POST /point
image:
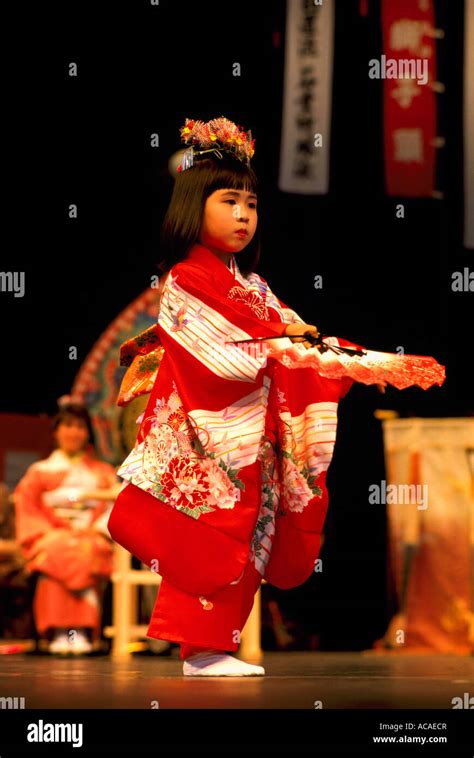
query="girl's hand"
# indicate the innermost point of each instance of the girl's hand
(296, 333)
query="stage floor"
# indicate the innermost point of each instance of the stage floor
(292, 680)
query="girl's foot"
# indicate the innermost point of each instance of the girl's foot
(214, 663)
(59, 643)
(80, 643)
(62, 642)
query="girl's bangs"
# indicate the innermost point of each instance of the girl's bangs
(227, 177)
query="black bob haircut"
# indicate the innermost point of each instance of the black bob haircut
(183, 218)
(79, 413)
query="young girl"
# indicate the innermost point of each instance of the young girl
(226, 482)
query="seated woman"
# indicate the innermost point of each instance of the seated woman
(62, 507)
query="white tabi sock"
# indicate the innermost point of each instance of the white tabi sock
(219, 664)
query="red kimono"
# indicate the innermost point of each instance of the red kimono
(66, 542)
(229, 466)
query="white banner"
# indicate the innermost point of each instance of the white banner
(469, 124)
(307, 97)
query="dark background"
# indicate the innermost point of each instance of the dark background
(387, 282)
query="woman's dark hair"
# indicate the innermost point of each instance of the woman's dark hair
(183, 218)
(78, 412)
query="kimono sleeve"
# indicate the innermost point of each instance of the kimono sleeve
(31, 519)
(290, 316)
(197, 316)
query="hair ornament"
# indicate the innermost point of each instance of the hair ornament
(66, 400)
(218, 136)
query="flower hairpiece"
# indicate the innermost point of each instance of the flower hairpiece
(218, 135)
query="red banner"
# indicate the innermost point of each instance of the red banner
(408, 68)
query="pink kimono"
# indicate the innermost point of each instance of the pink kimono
(65, 540)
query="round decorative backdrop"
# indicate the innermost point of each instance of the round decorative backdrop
(98, 380)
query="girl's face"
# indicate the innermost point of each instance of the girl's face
(226, 211)
(72, 435)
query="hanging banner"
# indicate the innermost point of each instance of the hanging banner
(469, 124)
(408, 70)
(307, 96)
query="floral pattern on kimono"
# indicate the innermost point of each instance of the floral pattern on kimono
(251, 298)
(262, 538)
(172, 464)
(297, 478)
